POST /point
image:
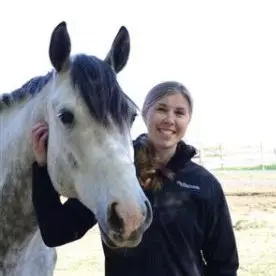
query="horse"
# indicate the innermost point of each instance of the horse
(89, 152)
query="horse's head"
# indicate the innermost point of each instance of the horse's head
(89, 144)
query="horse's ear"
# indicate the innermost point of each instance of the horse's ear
(60, 46)
(118, 55)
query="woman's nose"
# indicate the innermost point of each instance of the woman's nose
(169, 117)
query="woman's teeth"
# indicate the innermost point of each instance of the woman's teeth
(166, 131)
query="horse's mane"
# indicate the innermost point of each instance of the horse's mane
(97, 85)
(28, 89)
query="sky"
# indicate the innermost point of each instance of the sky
(224, 52)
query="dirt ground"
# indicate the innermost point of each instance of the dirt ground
(252, 201)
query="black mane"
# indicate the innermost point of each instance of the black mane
(100, 90)
(30, 88)
(97, 84)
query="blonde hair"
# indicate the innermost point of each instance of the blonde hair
(150, 172)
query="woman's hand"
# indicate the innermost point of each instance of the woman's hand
(39, 138)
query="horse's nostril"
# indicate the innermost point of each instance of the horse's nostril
(115, 221)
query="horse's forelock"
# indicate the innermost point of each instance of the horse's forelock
(98, 87)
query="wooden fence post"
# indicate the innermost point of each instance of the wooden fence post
(262, 156)
(201, 156)
(221, 156)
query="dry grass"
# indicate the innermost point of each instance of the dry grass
(252, 199)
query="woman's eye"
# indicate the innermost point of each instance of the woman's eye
(66, 117)
(162, 109)
(180, 113)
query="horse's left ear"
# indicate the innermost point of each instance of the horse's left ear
(60, 47)
(119, 52)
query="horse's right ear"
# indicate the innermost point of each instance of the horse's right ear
(118, 55)
(60, 47)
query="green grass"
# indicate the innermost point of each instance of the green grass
(270, 167)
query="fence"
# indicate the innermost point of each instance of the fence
(237, 157)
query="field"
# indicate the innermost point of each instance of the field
(252, 200)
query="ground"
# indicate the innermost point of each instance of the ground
(252, 200)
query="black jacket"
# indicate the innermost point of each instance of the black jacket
(191, 233)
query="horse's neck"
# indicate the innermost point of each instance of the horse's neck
(15, 128)
(16, 157)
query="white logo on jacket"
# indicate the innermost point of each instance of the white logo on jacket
(185, 185)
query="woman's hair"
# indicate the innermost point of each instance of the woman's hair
(165, 89)
(148, 165)
(149, 168)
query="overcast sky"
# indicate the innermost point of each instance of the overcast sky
(224, 52)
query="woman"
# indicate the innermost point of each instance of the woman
(191, 233)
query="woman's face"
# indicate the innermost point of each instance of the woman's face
(167, 121)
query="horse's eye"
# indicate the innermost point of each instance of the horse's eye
(133, 117)
(66, 117)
